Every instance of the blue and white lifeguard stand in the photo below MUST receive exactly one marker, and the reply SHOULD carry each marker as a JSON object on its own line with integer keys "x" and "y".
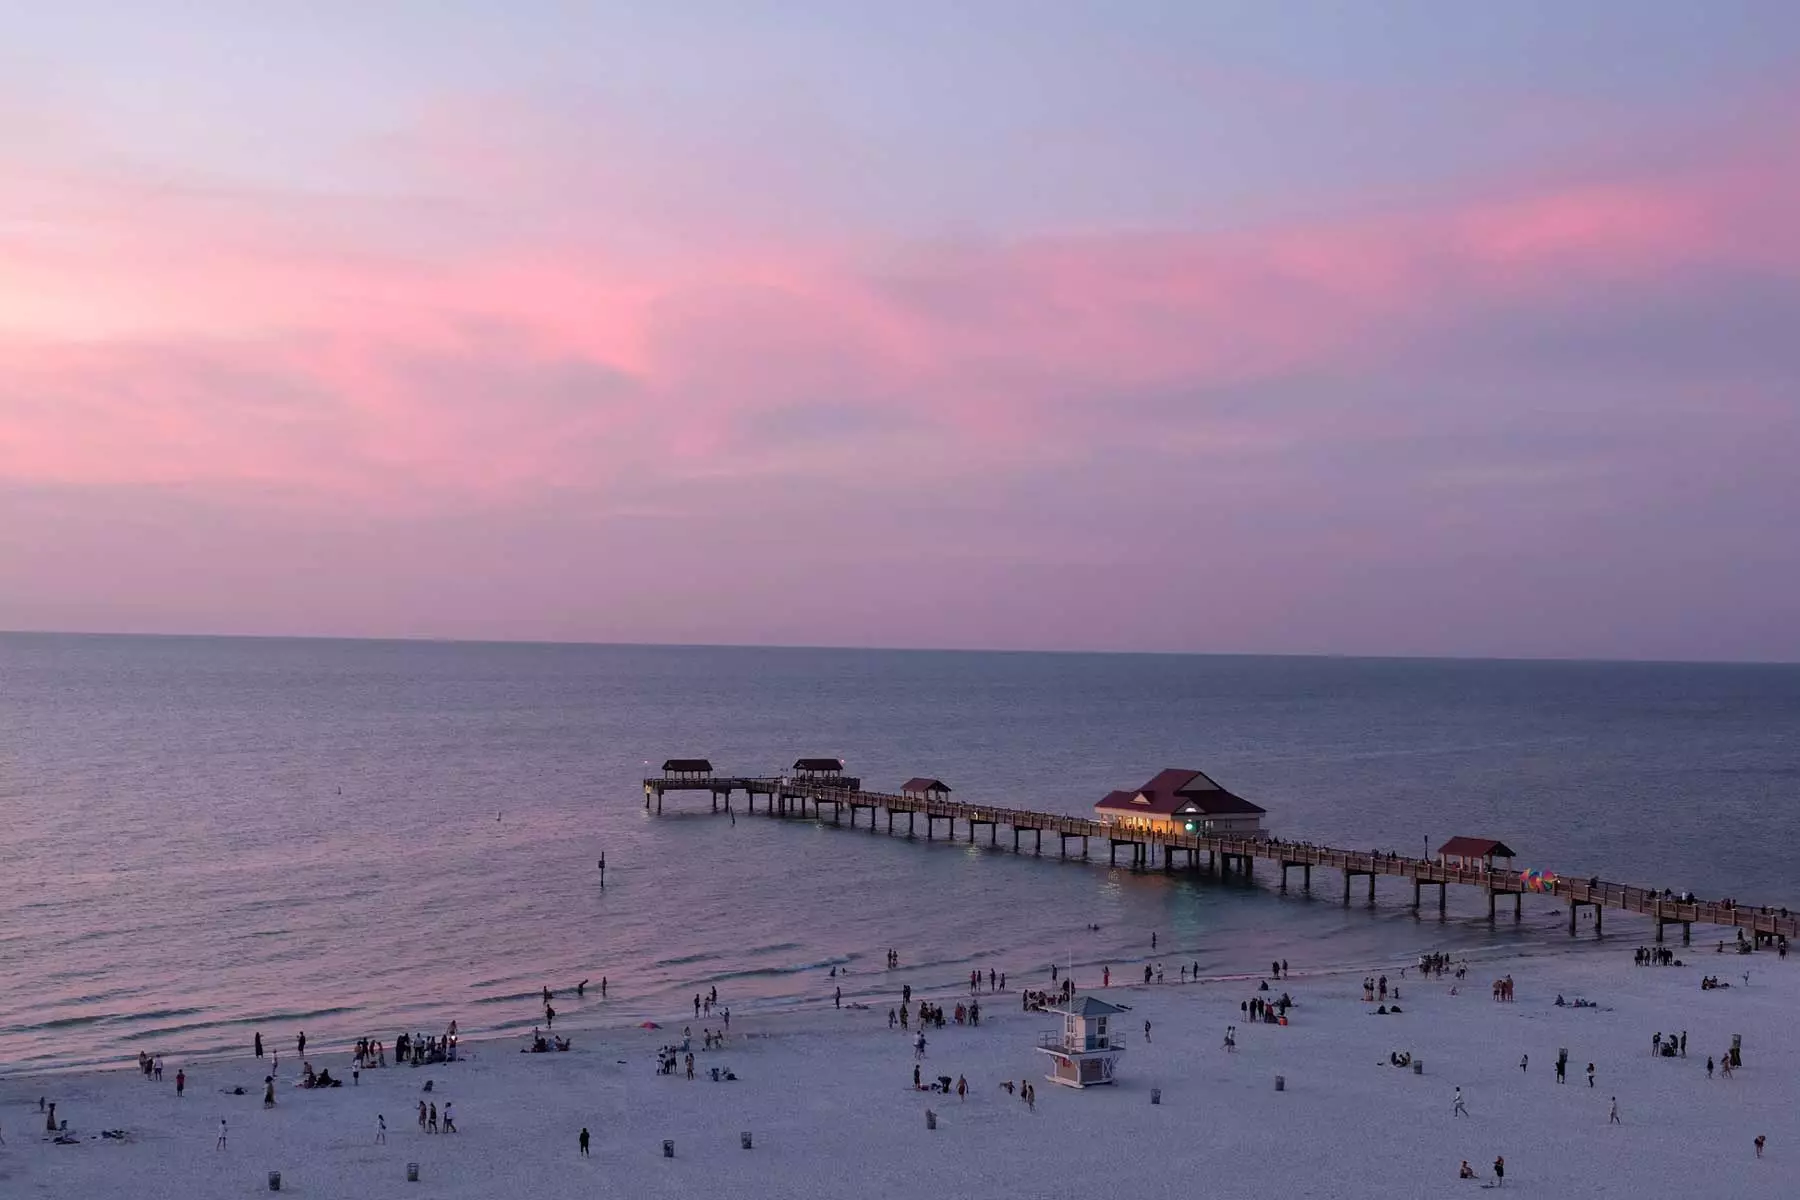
{"x": 1087, "y": 1049}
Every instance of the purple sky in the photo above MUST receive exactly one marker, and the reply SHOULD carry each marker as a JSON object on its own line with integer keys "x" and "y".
{"x": 1402, "y": 328}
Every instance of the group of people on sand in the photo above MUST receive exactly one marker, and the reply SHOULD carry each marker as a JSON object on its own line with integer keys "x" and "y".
{"x": 1268, "y": 1012}
{"x": 1025, "y": 1091}
{"x": 932, "y": 1015}
{"x": 1436, "y": 964}
{"x": 1377, "y": 989}
{"x": 419, "y": 1050}
{"x": 428, "y": 1119}
{"x": 1468, "y": 1172}
{"x": 1654, "y": 956}
{"x": 996, "y": 980}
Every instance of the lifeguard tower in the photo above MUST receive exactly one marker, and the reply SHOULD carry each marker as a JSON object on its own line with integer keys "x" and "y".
{"x": 1086, "y": 1050}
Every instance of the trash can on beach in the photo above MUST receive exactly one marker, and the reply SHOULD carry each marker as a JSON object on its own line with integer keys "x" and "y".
{"x": 1281, "y": 1083}
{"x": 668, "y": 1148}
{"x": 744, "y": 1139}
{"x": 412, "y": 1172}
{"x": 274, "y": 1181}
{"x": 1156, "y": 1095}
{"x": 930, "y": 1119}
{"x": 1418, "y": 1066}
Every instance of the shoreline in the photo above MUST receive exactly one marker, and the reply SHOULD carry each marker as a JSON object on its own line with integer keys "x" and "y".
{"x": 798, "y": 1013}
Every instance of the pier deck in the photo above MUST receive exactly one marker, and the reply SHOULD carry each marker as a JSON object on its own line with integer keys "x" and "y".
{"x": 786, "y": 796}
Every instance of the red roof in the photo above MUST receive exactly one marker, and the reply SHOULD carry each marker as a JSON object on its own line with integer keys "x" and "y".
{"x": 1469, "y": 847}
{"x": 1176, "y": 790}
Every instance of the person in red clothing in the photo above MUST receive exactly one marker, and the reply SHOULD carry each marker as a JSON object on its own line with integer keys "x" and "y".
{"x": 180, "y": 1083}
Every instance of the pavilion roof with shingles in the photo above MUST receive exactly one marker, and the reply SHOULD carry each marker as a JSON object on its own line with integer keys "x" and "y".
{"x": 1473, "y": 847}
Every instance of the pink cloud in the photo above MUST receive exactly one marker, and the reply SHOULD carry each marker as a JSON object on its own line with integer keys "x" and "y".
{"x": 152, "y": 333}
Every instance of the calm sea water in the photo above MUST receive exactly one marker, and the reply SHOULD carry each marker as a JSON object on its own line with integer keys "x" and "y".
{"x": 203, "y": 837}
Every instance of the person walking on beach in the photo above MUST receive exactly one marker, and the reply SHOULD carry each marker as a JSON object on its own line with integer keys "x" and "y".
{"x": 431, "y": 1125}
{"x": 180, "y": 1082}
{"x": 584, "y": 1141}
{"x": 1499, "y": 1171}
{"x": 380, "y": 1130}
{"x": 1612, "y": 1117}
{"x": 269, "y": 1092}
{"x": 1683, "y": 1044}
{"x": 220, "y": 1144}
{"x": 1759, "y": 1145}
{"x": 1146, "y": 1031}
{"x": 837, "y": 998}
{"x": 1456, "y": 1107}
{"x": 1590, "y": 1074}
{"x": 421, "y": 1116}
{"x": 1709, "y": 1066}
{"x": 962, "y": 1093}
{"x": 1524, "y": 1061}
{"x": 301, "y": 1042}
{"x": 449, "y": 1121}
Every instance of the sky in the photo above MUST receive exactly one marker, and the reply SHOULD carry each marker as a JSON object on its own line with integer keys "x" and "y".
{"x": 1361, "y": 327}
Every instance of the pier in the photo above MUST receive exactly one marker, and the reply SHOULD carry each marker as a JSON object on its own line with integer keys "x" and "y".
{"x": 820, "y": 785}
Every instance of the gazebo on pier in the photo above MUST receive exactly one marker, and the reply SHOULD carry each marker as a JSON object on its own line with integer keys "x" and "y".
{"x": 920, "y": 788}
{"x": 1475, "y": 853}
{"x": 818, "y": 770}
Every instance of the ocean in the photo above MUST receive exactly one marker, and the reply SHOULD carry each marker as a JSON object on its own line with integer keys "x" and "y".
{"x": 207, "y": 837}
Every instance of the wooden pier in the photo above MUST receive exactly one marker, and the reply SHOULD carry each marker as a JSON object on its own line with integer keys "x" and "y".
{"x": 808, "y": 797}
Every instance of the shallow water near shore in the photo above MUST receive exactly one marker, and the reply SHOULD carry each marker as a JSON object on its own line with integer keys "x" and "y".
{"x": 209, "y": 836}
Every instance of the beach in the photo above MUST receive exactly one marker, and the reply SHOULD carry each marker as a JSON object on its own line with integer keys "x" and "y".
{"x": 827, "y": 1096}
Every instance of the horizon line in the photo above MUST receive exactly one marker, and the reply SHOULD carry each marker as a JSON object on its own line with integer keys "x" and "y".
{"x": 426, "y": 640}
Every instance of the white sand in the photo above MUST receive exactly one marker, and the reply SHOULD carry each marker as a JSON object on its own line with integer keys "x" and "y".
{"x": 829, "y": 1102}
